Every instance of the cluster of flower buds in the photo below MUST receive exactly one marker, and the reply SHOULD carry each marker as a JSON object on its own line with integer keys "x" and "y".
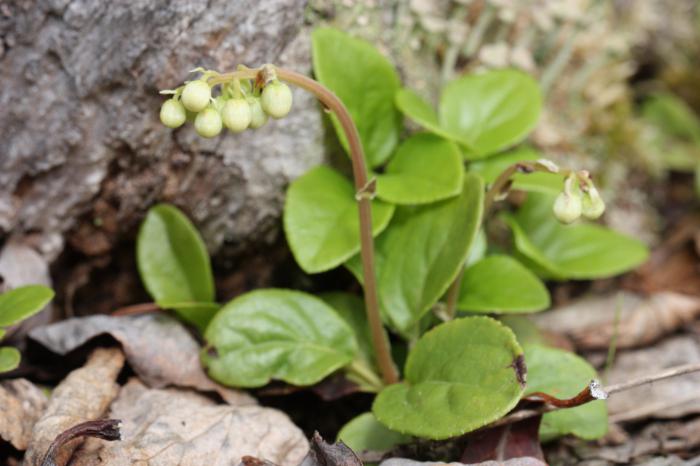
{"x": 240, "y": 104}
{"x": 579, "y": 197}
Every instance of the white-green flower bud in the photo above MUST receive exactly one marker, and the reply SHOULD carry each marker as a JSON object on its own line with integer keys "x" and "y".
{"x": 567, "y": 207}
{"x": 172, "y": 113}
{"x": 236, "y": 115}
{"x": 276, "y": 99}
{"x": 208, "y": 123}
{"x": 592, "y": 204}
{"x": 258, "y": 117}
{"x": 196, "y": 95}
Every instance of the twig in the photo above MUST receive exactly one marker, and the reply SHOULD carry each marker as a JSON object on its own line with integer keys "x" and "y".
{"x": 142, "y": 308}
{"x": 589, "y": 394}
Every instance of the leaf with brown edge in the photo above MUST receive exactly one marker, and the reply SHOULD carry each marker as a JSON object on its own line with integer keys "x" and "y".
{"x": 21, "y": 405}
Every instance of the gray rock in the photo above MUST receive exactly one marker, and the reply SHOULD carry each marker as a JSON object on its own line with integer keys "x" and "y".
{"x": 82, "y": 148}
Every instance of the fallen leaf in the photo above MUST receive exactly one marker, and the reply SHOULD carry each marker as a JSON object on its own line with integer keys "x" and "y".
{"x": 510, "y": 441}
{"x": 658, "y": 438}
{"x": 158, "y": 348}
{"x": 82, "y": 396}
{"x": 326, "y": 454}
{"x": 21, "y": 405}
{"x": 591, "y": 322}
{"x": 511, "y": 462}
{"x": 21, "y": 265}
{"x": 672, "y": 398}
{"x": 182, "y": 428}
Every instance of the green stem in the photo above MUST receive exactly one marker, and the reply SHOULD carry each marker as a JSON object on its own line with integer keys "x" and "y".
{"x": 365, "y": 376}
{"x": 359, "y": 168}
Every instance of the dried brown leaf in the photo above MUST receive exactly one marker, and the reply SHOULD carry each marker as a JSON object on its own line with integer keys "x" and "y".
{"x": 158, "y": 348}
{"x": 21, "y": 405}
{"x": 511, "y": 441}
{"x": 526, "y": 461}
{"x": 105, "y": 429}
{"x": 182, "y": 428}
{"x": 665, "y": 399}
{"x": 82, "y": 396}
{"x": 591, "y": 322}
{"x": 327, "y": 454}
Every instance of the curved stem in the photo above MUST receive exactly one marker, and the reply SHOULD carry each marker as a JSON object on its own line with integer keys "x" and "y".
{"x": 359, "y": 169}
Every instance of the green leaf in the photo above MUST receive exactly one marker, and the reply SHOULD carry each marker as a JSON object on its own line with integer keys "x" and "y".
{"x": 174, "y": 264}
{"x": 460, "y": 376}
{"x": 276, "y": 334}
{"x": 571, "y": 251}
{"x": 426, "y": 168}
{"x": 501, "y": 284}
{"x": 563, "y": 375}
{"x": 421, "y": 253}
{"x": 491, "y": 111}
{"x": 366, "y": 82}
{"x": 321, "y": 219}
{"x": 22, "y": 302}
{"x": 413, "y": 106}
{"x": 673, "y": 116}
{"x": 365, "y": 433}
{"x": 490, "y": 168}
{"x": 9, "y": 358}
{"x": 351, "y": 309}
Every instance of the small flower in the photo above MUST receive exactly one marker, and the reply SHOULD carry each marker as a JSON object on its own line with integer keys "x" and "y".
{"x": 258, "y": 117}
{"x": 208, "y": 123}
{"x": 172, "y": 113}
{"x": 568, "y": 206}
{"x": 276, "y": 99}
{"x": 592, "y": 204}
{"x": 196, "y": 95}
{"x": 236, "y": 115}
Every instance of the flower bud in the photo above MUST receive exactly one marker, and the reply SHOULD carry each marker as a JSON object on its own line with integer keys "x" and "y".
{"x": 276, "y": 99}
{"x": 567, "y": 207}
{"x": 258, "y": 117}
{"x": 208, "y": 123}
{"x": 195, "y": 96}
{"x": 592, "y": 204}
{"x": 236, "y": 115}
{"x": 172, "y": 113}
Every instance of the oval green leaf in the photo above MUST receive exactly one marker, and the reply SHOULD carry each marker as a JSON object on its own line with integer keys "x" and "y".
{"x": 421, "y": 253}
{"x": 501, "y": 284}
{"x": 366, "y": 82}
{"x": 321, "y": 219}
{"x": 563, "y": 374}
{"x": 365, "y": 433}
{"x": 460, "y": 376}
{"x": 426, "y": 168}
{"x": 9, "y": 358}
{"x": 22, "y": 302}
{"x": 571, "y": 251}
{"x": 413, "y": 106}
{"x": 276, "y": 334}
{"x": 491, "y": 111}
{"x": 174, "y": 264}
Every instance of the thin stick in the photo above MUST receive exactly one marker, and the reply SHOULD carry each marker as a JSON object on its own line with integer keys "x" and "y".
{"x": 452, "y": 295}
{"x": 142, "y": 308}
{"x": 364, "y": 195}
{"x": 612, "y": 389}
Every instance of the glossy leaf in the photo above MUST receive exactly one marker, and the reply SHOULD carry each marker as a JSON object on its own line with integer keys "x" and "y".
{"x": 421, "y": 253}
{"x": 174, "y": 264}
{"x": 22, "y": 302}
{"x": 351, "y": 309}
{"x": 563, "y": 374}
{"x": 501, "y": 284}
{"x": 490, "y": 168}
{"x": 276, "y": 334}
{"x": 9, "y": 358}
{"x": 426, "y": 168}
{"x": 321, "y": 219}
{"x": 491, "y": 111}
{"x": 413, "y": 106}
{"x": 365, "y": 433}
{"x": 366, "y": 82}
{"x": 459, "y": 376}
{"x": 580, "y": 251}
